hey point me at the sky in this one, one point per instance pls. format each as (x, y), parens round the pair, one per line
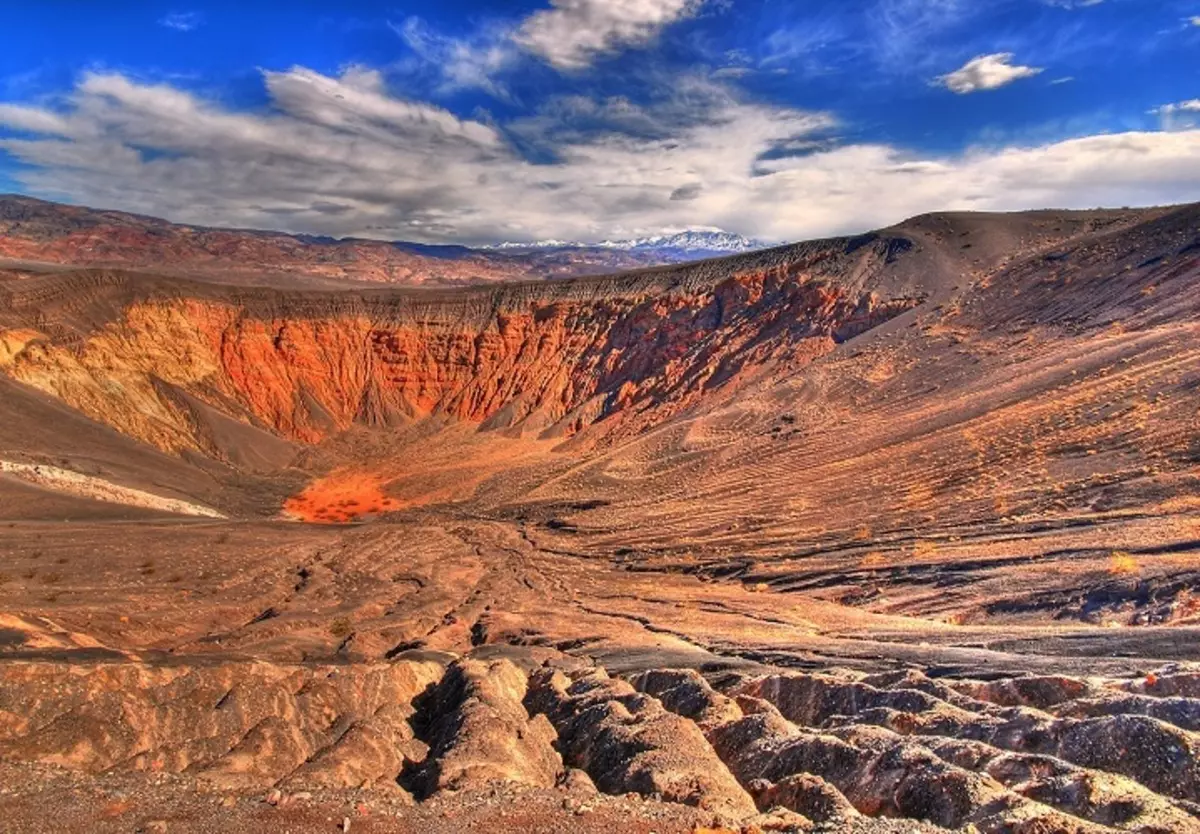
(459, 121)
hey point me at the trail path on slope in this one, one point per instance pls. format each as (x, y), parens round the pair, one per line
(98, 489)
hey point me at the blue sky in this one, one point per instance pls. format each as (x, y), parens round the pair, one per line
(460, 121)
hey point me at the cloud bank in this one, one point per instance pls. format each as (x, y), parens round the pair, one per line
(342, 155)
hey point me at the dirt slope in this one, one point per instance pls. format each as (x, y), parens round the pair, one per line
(853, 534)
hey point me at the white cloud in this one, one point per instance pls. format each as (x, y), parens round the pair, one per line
(1192, 106)
(574, 32)
(182, 21)
(1183, 115)
(32, 119)
(343, 156)
(1195, 21)
(569, 36)
(986, 72)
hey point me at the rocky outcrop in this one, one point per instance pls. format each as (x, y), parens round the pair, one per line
(806, 794)
(827, 778)
(627, 742)
(479, 732)
(482, 725)
(812, 700)
(1087, 793)
(877, 775)
(685, 692)
(241, 725)
(1074, 766)
(1037, 691)
(1183, 713)
(1166, 684)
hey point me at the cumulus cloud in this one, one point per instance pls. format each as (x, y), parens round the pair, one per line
(345, 156)
(574, 32)
(986, 72)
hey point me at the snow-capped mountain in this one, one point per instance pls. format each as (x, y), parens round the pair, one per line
(689, 241)
(537, 244)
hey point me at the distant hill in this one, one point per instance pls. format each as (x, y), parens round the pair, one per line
(52, 233)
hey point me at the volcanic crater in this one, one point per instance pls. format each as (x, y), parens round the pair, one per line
(895, 532)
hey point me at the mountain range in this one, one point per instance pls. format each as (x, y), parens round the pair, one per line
(699, 242)
(36, 233)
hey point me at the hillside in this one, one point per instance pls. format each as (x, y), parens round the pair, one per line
(894, 532)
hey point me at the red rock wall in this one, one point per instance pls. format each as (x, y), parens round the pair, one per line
(307, 371)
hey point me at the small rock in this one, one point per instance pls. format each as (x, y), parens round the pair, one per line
(275, 797)
(345, 825)
(577, 781)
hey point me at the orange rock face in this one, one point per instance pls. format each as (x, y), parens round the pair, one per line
(309, 367)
